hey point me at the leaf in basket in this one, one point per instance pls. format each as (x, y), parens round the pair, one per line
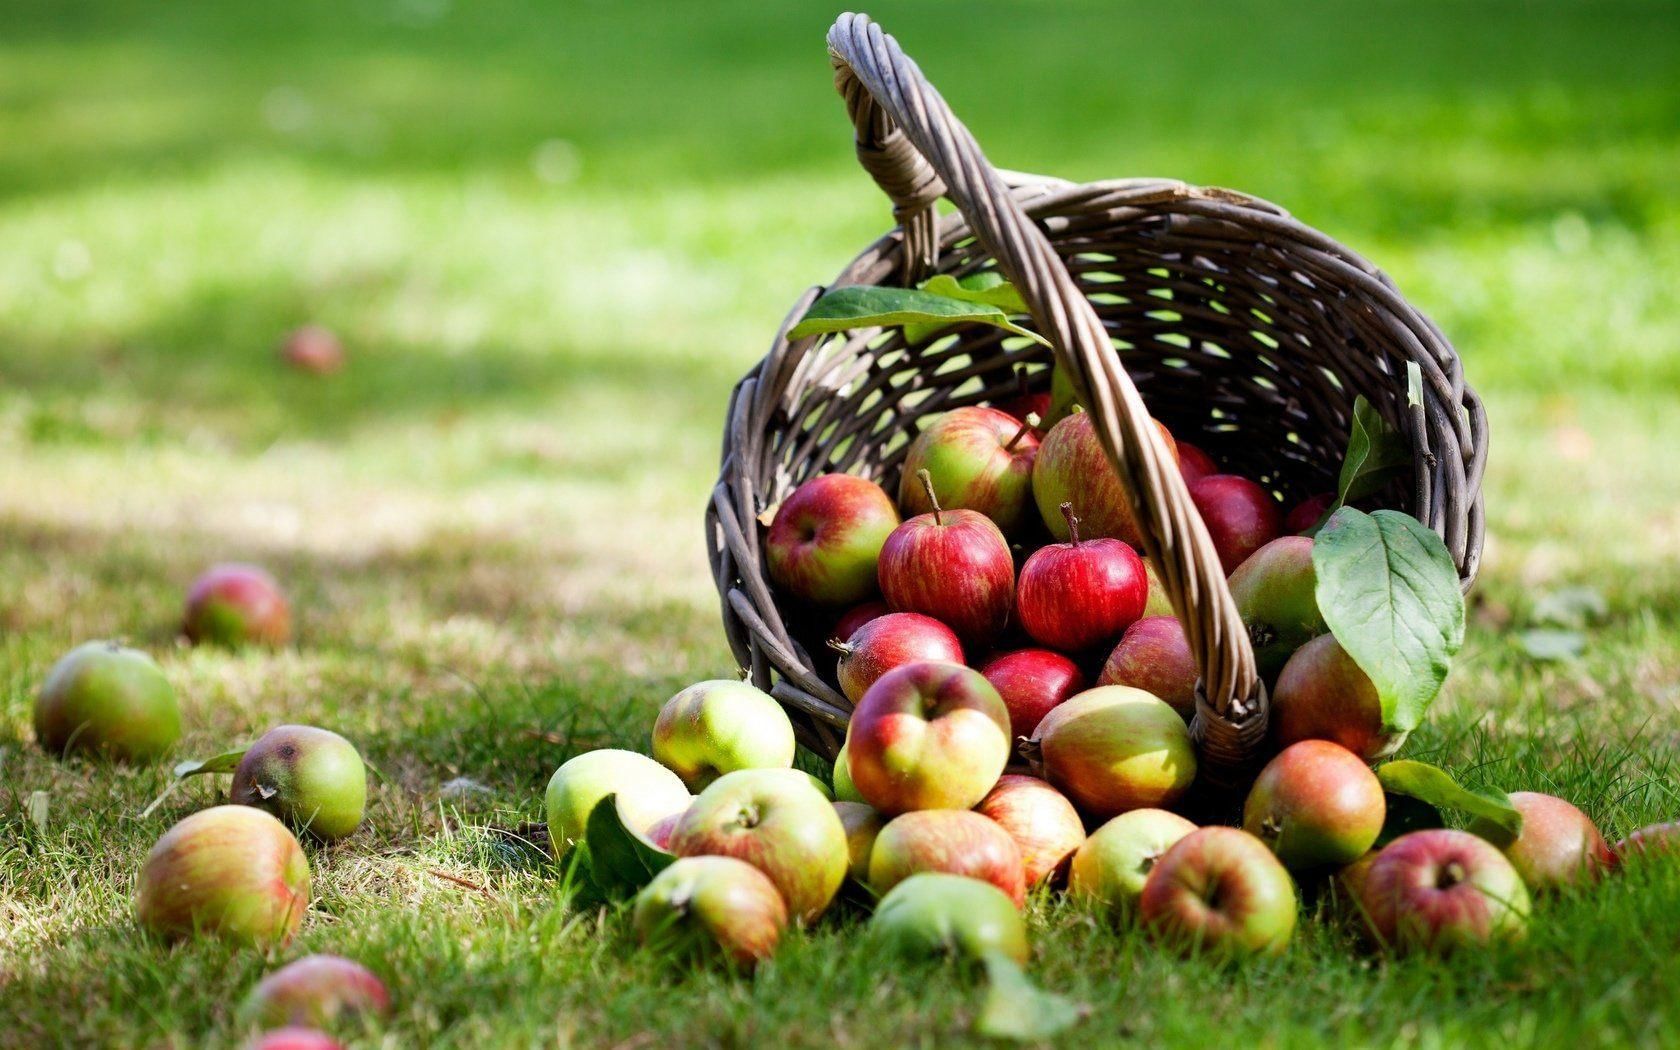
(868, 306)
(1388, 590)
(621, 862)
(1376, 452)
(987, 287)
(1495, 818)
(1019, 1010)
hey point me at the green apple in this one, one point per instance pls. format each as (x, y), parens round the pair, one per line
(103, 699)
(938, 914)
(646, 791)
(1115, 748)
(844, 789)
(1221, 891)
(1110, 868)
(711, 905)
(1317, 805)
(313, 779)
(716, 727)
(1274, 589)
(863, 824)
(229, 871)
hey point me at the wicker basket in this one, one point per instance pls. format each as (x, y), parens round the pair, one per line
(1245, 331)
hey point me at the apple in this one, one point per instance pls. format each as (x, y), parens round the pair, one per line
(1194, 464)
(1073, 468)
(718, 726)
(103, 699)
(711, 905)
(313, 349)
(1309, 512)
(1655, 840)
(1440, 890)
(1032, 409)
(1559, 847)
(1110, 867)
(1241, 517)
(295, 1039)
(826, 538)
(228, 871)
(927, 736)
(1317, 805)
(1349, 882)
(1321, 694)
(978, 458)
(844, 789)
(1116, 748)
(855, 617)
(952, 565)
(1045, 826)
(313, 779)
(646, 790)
(934, 913)
(892, 641)
(1154, 655)
(1081, 594)
(954, 841)
(1031, 682)
(1274, 592)
(234, 605)
(1159, 604)
(863, 823)
(780, 825)
(317, 990)
(1220, 890)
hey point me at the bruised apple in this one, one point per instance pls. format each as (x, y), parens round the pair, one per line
(311, 778)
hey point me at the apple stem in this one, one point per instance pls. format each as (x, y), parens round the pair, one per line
(1073, 523)
(844, 648)
(927, 486)
(1027, 424)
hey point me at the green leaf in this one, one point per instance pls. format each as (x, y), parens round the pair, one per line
(621, 862)
(1495, 819)
(1573, 607)
(870, 306)
(1388, 590)
(226, 762)
(1550, 645)
(986, 287)
(1017, 1009)
(1376, 452)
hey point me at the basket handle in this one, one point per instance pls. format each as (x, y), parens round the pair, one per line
(917, 150)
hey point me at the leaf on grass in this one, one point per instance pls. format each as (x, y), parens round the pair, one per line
(621, 862)
(1495, 818)
(870, 306)
(1571, 607)
(226, 762)
(1017, 1009)
(1376, 452)
(1388, 590)
(1550, 645)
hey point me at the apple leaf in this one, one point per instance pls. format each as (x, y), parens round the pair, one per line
(621, 862)
(1019, 1010)
(1376, 452)
(1389, 592)
(226, 762)
(1495, 818)
(855, 306)
(988, 287)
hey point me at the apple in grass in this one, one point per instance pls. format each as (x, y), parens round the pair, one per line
(105, 700)
(1321, 694)
(1115, 748)
(936, 914)
(1111, 866)
(234, 605)
(1045, 826)
(317, 990)
(311, 778)
(1441, 890)
(953, 841)
(952, 565)
(1221, 891)
(863, 823)
(313, 348)
(711, 906)
(1154, 655)
(1073, 468)
(1274, 589)
(1241, 517)
(1031, 682)
(979, 459)
(646, 793)
(718, 726)
(1559, 847)
(892, 641)
(826, 537)
(1317, 805)
(1652, 841)
(927, 736)
(229, 871)
(293, 1038)
(1081, 594)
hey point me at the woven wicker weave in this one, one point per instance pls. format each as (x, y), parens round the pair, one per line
(1244, 331)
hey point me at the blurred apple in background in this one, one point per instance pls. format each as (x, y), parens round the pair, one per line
(234, 605)
(826, 538)
(317, 990)
(105, 700)
(314, 349)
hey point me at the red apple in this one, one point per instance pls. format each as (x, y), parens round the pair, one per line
(892, 641)
(1110, 869)
(826, 538)
(1440, 890)
(1045, 826)
(979, 459)
(927, 736)
(704, 905)
(317, 990)
(855, 617)
(1274, 592)
(863, 823)
(229, 871)
(1321, 694)
(295, 1039)
(952, 565)
(953, 841)
(1220, 890)
(235, 605)
(1030, 408)
(1154, 655)
(1240, 516)
(1073, 468)
(314, 349)
(1194, 464)
(1316, 805)
(1031, 682)
(1655, 840)
(1307, 513)
(1114, 748)
(103, 699)
(1081, 594)
(1559, 847)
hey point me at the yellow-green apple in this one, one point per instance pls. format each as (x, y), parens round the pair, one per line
(1321, 694)
(646, 790)
(892, 641)
(927, 736)
(235, 604)
(316, 990)
(103, 699)
(705, 905)
(1317, 805)
(229, 871)
(313, 779)
(1110, 868)
(1031, 682)
(1221, 891)
(933, 913)
(1307, 513)
(1115, 748)
(1274, 593)
(826, 538)
(1045, 826)
(1241, 517)
(863, 823)
(1154, 655)
(314, 349)
(1073, 468)
(1440, 890)
(952, 565)
(1652, 841)
(979, 459)
(1159, 604)
(1193, 463)
(844, 789)
(780, 825)
(954, 841)
(1559, 847)
(294, 1038)
(1079, 595)
(718, 726)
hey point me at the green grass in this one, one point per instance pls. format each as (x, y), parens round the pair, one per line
(552, 238)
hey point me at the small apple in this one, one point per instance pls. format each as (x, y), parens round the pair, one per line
(1045, 826)
(863, 823)
(844, 789)
(646, 790)
(892, 641)
(927, 736)
(1115, 748)
(1081, 594)
(316, 990)
(704, 905)
(1440, 890)
(1652, 841)
(294, 1039)
(103, 699)
(1307, 513)
(826, 538)
(1559, 847)
(1194, 464)
(314, 349)
(1274, 592)
(718, 726)
(855, 617)
(1111, 866)
(313, 779)
(954, 841)
(780, 825)
(229, 871)
(938, 914)
(1220, 890)
(1316, 805)
(1321, 694)
(1031, 682)
(1073, 468)
(234, 605)
(979, 459)
(1154, 655)
(1241, 517)
(952, 565)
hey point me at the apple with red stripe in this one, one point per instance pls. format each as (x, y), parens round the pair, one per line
(826, 538)
(1220, 891)
(1559, 846)
(1442, 890)
(1154, 655)
(1073, 468)
(1045, 826)
(1079, 595)
(979, 458)
(952, 565)
(892, 641)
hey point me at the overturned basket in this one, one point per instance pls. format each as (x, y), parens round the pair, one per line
(1249, 333)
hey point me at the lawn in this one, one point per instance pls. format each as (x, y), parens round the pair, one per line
(552, 236)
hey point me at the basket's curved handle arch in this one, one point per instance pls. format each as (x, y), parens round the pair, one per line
(918, 151)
